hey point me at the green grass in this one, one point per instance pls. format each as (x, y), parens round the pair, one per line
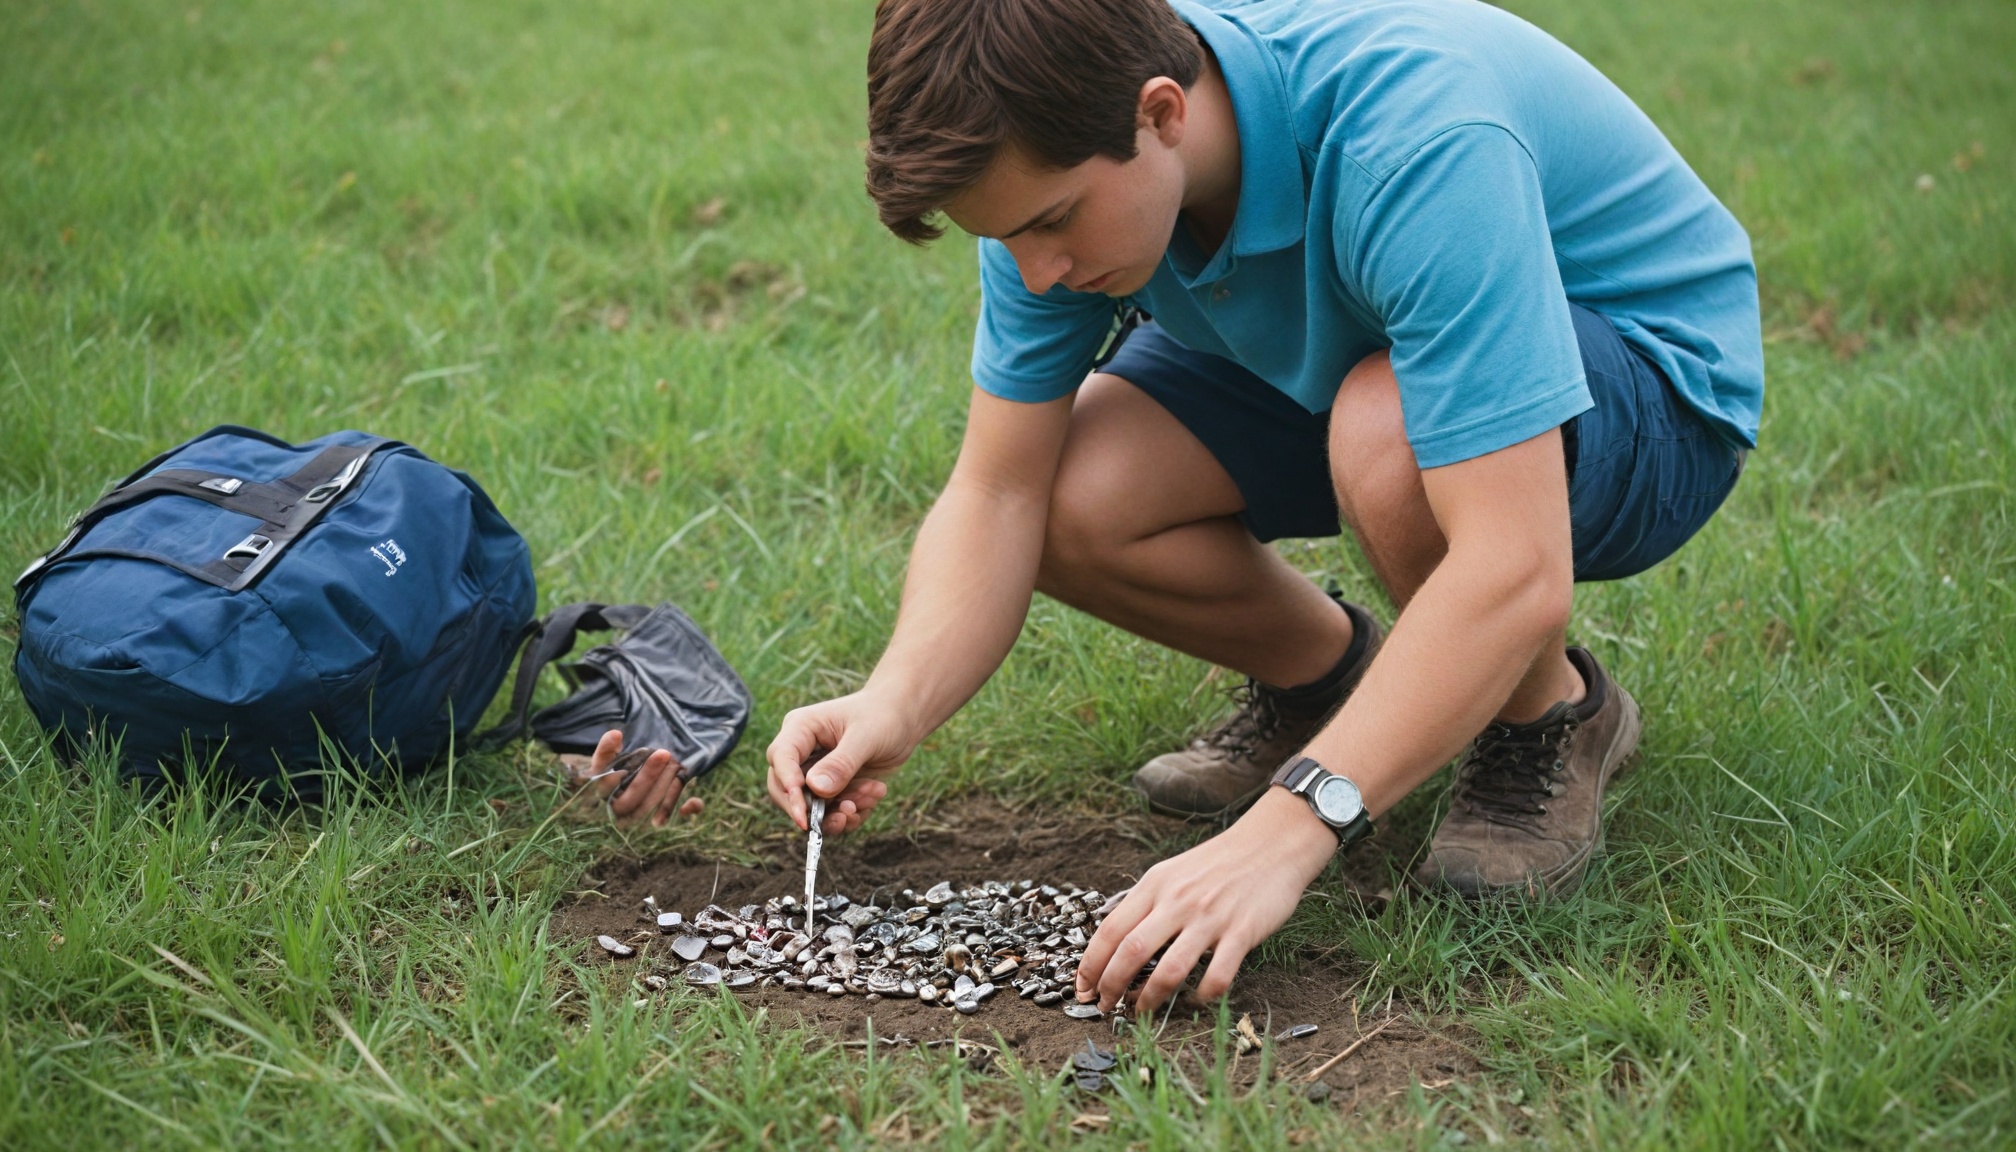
(490, 229)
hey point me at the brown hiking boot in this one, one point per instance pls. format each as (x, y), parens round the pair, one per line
(1526, 809)
(1227, 768)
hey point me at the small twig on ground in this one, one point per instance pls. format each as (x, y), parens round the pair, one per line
(1339, 1058)
(1426, 1086)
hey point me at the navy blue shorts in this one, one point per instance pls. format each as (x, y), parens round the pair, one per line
(1644, 470)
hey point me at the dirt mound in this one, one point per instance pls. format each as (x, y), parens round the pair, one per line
(979, 840)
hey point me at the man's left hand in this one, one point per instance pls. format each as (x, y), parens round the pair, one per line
(1223, 897)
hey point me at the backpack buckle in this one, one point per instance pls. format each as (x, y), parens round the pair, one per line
(39, 563)
(336, 484)
(250, 548)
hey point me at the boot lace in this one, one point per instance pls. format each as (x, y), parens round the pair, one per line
(1511, 773)
(1257, 721)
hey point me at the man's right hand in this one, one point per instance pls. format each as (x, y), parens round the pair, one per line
(864, 741)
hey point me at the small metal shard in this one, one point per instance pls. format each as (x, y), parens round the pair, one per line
(1094, 1058)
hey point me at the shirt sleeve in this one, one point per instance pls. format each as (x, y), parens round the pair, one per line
(1454, 254)
(1033, 348)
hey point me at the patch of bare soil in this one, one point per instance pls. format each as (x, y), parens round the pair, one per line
(975, 840)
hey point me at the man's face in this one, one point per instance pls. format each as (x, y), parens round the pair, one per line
(1102, 226)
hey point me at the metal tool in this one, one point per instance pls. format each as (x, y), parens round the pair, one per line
(815, 839)
(815, 836)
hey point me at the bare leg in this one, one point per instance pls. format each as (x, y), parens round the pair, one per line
(1380, 492)
(1143, 534)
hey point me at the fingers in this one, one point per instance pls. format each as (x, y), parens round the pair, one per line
(853, 806)
(832, 773)
(664, 788)
(1225, 961)
(1172, 970)
(606, 750)
(639, 785)
(654, 781)
(612, 780)
(798, 741)
(1143, 942)
(1118, 923)
(672, 805)
(787, 791)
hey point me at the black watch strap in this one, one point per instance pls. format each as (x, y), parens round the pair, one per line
(1296, 772)
(1297, 776)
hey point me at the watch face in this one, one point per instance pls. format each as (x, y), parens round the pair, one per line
(1337, 801)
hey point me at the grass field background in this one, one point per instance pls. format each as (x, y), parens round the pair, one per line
(613, 259)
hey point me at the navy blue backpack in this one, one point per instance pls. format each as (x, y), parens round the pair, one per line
(244, 602)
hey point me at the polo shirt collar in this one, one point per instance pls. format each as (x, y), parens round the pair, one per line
(1273, 209)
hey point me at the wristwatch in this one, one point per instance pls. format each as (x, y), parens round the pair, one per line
(1334, 799)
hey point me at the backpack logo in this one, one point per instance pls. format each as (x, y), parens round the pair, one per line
(391, 555)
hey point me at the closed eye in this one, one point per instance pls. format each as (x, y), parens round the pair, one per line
(1058, 224)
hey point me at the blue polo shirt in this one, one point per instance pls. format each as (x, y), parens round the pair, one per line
(1438, 178)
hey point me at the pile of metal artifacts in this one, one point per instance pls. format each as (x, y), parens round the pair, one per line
(955, 947)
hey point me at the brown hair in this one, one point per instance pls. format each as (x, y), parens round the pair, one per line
(951, 81)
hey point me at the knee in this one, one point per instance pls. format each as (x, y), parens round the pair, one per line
(1077, 536)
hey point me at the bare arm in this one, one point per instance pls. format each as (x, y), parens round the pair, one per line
(1503, 590)
(1454, 656)
(972, 572)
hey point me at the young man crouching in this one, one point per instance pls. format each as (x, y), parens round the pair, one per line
(1412, 266)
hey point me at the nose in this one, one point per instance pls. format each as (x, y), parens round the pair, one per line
(1042, 266)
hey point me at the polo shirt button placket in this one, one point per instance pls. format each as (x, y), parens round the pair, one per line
(1220, 294)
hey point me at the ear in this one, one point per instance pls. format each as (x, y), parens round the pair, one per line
(1163, 109)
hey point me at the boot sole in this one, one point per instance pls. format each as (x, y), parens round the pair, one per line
(1229, 811)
